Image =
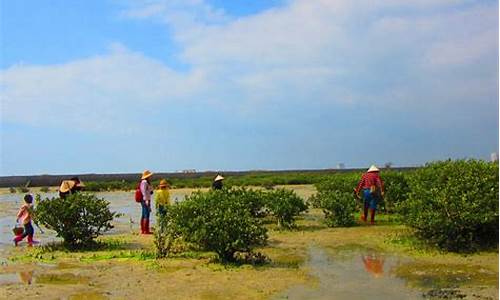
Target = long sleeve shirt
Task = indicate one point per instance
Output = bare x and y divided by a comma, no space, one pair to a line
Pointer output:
368,180
162,197
146,190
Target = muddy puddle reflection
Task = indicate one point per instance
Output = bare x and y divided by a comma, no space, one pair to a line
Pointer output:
352,274
42,273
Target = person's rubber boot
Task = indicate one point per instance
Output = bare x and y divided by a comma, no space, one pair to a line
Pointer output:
363,217
17,239
30,241
372,216
146,226
365,214
142,226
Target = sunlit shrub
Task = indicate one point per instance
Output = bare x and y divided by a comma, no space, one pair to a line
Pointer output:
284,205
454,204
78,219
217,221
338,207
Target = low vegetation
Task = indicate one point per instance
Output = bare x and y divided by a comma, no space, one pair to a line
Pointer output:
217,221
454,204
78,219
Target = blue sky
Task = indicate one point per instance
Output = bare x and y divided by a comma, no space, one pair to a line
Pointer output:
121,86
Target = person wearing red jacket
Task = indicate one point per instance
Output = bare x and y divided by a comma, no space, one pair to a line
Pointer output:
373,189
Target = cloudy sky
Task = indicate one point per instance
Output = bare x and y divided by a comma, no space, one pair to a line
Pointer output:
122,86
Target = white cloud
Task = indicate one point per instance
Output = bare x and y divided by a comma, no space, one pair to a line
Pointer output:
341,52
98,93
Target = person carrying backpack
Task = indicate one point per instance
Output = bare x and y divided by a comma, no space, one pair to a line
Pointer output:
146,190
373,190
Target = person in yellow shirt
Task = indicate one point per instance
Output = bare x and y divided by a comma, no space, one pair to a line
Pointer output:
162,197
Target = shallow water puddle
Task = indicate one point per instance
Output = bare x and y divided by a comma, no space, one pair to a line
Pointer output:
353,274
9,278
30,277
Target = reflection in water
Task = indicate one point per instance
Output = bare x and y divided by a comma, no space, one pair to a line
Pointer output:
352,274
374,264
26,277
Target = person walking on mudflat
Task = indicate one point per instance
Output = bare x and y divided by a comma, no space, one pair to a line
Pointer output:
146,190
373,189
24,216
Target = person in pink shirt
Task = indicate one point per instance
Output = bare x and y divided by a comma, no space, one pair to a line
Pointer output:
25,216
146,191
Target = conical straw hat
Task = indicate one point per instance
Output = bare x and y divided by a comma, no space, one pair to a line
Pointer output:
66,186
373,168
218,178
163,183
146,174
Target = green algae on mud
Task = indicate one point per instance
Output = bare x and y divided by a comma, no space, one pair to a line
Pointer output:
132,247
440,275
62,278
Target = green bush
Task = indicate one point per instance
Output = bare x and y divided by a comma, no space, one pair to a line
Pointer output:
285,205
454,204
338,207
163,235
218,221
78,219
396,190
342,182
44,189
253,200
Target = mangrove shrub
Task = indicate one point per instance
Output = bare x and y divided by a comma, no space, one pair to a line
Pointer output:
339,207
454,204
78,219
217,221
284,205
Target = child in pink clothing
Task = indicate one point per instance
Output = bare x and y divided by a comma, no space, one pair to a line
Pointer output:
24,216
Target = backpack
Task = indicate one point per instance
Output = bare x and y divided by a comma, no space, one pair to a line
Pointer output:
138,193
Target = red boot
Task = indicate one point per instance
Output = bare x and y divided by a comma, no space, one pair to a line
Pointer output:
146,227
143,230
17,239
365,214
30,241
372,216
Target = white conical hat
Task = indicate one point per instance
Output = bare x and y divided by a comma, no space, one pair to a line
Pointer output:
218,178
373,168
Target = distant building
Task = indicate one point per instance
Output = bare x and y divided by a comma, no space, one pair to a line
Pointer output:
341,166
494,156
188,171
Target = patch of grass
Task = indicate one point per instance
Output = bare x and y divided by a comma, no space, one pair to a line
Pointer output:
103,249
